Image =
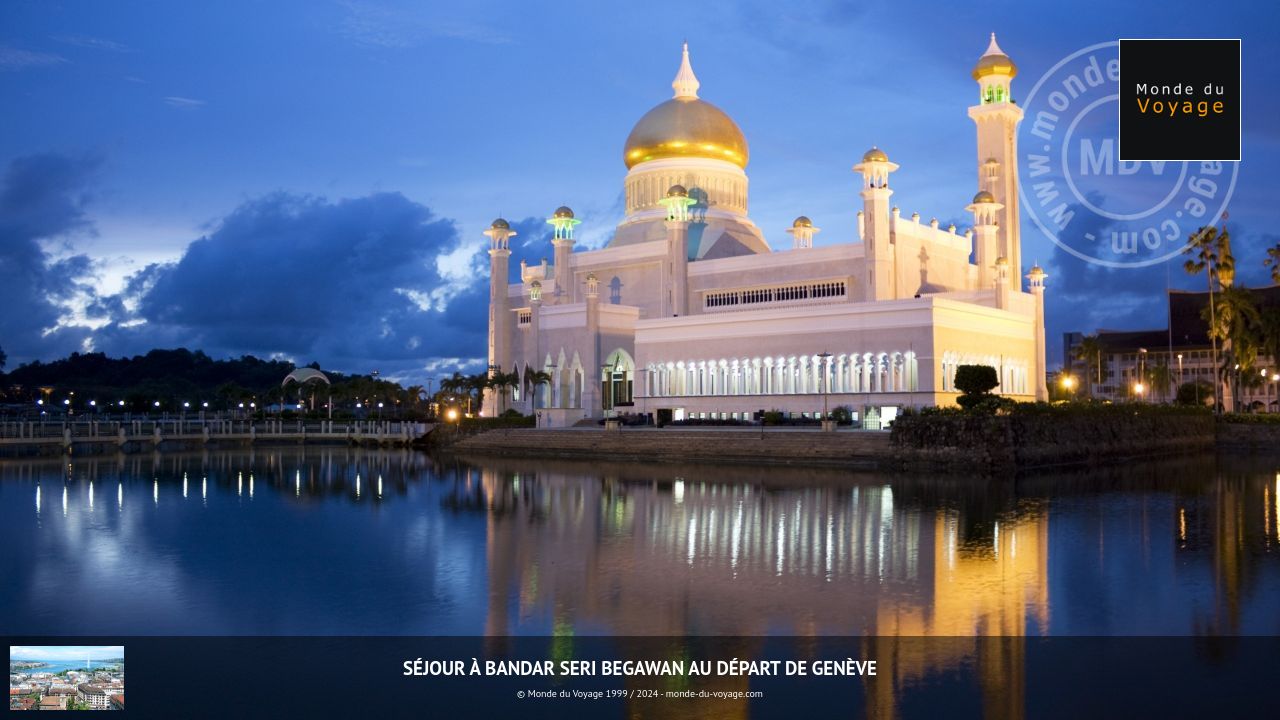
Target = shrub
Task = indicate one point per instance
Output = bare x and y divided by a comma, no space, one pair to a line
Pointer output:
975,382
1195,393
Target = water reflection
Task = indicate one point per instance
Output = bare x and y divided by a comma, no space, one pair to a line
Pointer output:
343,541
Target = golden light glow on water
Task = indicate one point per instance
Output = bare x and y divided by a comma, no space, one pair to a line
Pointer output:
1182,524
379,487
90,496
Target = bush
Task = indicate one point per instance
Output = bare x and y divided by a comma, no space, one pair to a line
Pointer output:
975,381
773,417
842,414
1195,393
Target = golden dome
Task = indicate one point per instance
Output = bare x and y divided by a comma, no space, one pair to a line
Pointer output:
802,221
677,191
501,224
983,197
563,212
875,154
994,62
685,127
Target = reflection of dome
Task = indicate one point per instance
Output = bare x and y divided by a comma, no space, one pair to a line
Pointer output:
685,126
501,224
677,191
563,212
875,154
994,62
802,221
983,197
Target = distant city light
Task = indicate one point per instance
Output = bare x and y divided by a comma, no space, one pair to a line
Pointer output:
157,403
67,401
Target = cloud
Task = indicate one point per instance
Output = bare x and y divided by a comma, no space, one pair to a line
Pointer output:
183,102
94,43
353,284
65,652
397,26
42,204
12,58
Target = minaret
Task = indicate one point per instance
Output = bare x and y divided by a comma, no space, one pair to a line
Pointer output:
877,233
591,372
997,117
986,241
563,221
677,202
802,232
533,345
1001,269
1036,278
499,233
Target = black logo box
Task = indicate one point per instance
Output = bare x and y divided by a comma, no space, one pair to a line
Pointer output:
1183,64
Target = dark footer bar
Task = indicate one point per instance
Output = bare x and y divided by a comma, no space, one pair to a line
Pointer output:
725,677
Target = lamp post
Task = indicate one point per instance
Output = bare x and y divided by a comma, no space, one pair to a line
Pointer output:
1069,385
826,357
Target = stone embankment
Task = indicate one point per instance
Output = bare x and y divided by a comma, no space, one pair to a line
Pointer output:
865,450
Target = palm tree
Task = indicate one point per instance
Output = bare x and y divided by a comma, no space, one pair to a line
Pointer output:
502,383
1211,251
1089,351
474,386
1161,377
1273,262
1234,319
535,378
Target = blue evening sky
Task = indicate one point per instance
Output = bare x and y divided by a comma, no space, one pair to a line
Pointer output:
311,179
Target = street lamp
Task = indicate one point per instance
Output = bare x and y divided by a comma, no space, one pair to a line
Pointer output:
826,356
1139,388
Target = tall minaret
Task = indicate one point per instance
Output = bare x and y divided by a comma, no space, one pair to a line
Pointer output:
877,231
1036,278
563,222
997,119
677,202
499,234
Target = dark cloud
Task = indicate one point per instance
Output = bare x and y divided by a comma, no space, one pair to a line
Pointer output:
352,284
42,202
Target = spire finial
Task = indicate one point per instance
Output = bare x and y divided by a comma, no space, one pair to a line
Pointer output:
686,83
993,48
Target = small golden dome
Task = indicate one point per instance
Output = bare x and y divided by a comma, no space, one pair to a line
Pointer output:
563,212
500,224
994,62
875,154
677,191
802,222
983,197
535,284
1002,260
685,127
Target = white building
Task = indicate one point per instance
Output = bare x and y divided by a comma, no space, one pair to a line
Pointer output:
94,696
690,312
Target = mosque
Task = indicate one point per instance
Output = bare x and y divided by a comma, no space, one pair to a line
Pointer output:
689,312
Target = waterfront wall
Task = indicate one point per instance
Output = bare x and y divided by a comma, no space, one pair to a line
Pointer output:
1253,434
859,450
1040,435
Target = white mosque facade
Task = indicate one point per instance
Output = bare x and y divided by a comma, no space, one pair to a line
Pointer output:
689,313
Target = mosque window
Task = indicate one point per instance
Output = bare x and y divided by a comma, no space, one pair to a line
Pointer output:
802,294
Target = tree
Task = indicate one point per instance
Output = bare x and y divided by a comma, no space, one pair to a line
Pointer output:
1162,377
975,383
1211,253
533,379
1234,318
1273,262
1090,352
501,383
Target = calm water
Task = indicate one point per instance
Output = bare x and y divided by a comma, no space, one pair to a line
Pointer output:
351,542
